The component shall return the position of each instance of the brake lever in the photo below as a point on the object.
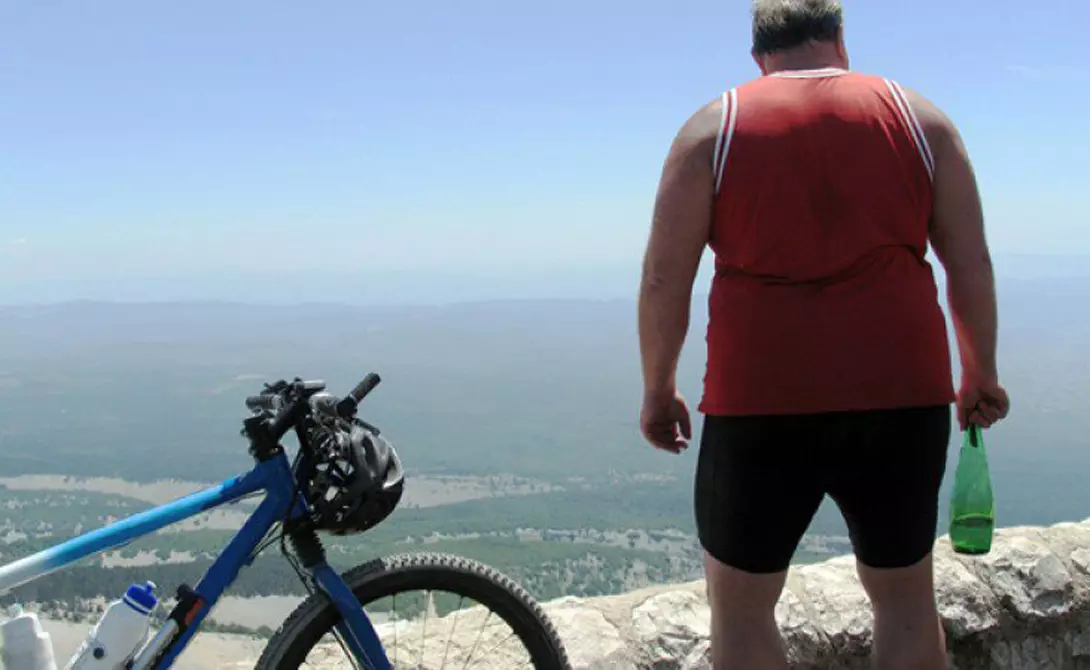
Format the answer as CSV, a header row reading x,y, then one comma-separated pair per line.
x,y
369,427
276,387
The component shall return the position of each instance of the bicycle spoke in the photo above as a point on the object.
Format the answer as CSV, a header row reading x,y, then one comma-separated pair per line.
x,y
450,637
344,647
502,642
424,628
394,619
478,641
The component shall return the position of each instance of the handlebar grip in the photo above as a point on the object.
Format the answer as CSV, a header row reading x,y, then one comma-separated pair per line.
x,y
264,401
366,386
347,406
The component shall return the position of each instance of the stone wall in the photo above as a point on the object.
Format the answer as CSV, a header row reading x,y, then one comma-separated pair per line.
x,y
1025,605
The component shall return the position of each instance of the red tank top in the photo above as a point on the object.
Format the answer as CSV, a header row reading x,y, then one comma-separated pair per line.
x,y
822,299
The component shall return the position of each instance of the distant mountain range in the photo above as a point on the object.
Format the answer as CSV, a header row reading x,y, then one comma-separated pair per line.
x,y
425,286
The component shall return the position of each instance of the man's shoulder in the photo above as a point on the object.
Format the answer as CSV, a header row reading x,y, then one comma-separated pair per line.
x,y
702,127
936,125
707,120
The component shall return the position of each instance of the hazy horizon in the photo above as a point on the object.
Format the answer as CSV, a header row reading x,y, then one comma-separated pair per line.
x,y
434,287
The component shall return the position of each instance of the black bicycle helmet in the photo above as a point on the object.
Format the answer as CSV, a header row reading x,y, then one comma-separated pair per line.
x,y
355,480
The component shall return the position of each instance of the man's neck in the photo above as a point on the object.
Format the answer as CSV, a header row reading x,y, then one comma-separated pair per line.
x,y
804,59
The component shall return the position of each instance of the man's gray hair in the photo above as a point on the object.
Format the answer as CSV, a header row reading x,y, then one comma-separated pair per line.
x,y
784,24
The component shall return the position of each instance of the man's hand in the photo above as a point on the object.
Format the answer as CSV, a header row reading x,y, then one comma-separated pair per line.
x,y
665,421
983,403
957,237
680,228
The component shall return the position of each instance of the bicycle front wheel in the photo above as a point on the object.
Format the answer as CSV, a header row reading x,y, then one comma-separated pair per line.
x,y
464,637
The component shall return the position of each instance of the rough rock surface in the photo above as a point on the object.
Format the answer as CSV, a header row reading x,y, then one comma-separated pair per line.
x,y
1024,606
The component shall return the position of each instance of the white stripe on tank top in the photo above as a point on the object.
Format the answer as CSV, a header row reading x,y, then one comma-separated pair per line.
x,y
729,120
726,133
908,116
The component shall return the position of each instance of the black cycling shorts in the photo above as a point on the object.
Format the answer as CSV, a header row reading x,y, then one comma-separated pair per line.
x,y
761,479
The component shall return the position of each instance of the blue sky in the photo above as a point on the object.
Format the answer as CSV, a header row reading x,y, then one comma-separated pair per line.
x,y
195,149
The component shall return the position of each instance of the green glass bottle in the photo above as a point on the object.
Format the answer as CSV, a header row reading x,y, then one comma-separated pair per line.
x,y
972,503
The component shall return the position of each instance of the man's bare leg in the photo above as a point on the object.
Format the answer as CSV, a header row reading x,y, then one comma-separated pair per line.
x,y
744,634
908,633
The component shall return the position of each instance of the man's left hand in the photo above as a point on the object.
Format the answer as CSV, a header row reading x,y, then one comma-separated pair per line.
x,y
665,421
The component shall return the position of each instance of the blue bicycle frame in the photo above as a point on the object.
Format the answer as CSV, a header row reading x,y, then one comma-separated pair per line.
x,y
273,477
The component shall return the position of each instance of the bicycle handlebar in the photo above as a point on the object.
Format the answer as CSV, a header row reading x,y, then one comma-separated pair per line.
x,y
347,406
289,401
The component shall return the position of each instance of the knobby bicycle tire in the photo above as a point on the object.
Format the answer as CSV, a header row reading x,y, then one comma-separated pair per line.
x,y
315,617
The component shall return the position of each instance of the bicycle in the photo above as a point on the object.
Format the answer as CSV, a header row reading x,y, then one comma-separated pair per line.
x,y
346,478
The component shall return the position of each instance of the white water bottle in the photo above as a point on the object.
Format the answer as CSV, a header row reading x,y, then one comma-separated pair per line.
x,y
25,645
120,633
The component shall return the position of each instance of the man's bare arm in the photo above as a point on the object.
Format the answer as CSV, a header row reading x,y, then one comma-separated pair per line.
x,y
680,228
957,236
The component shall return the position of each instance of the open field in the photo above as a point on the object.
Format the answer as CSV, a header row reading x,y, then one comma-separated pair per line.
x,y
583,539
420,490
